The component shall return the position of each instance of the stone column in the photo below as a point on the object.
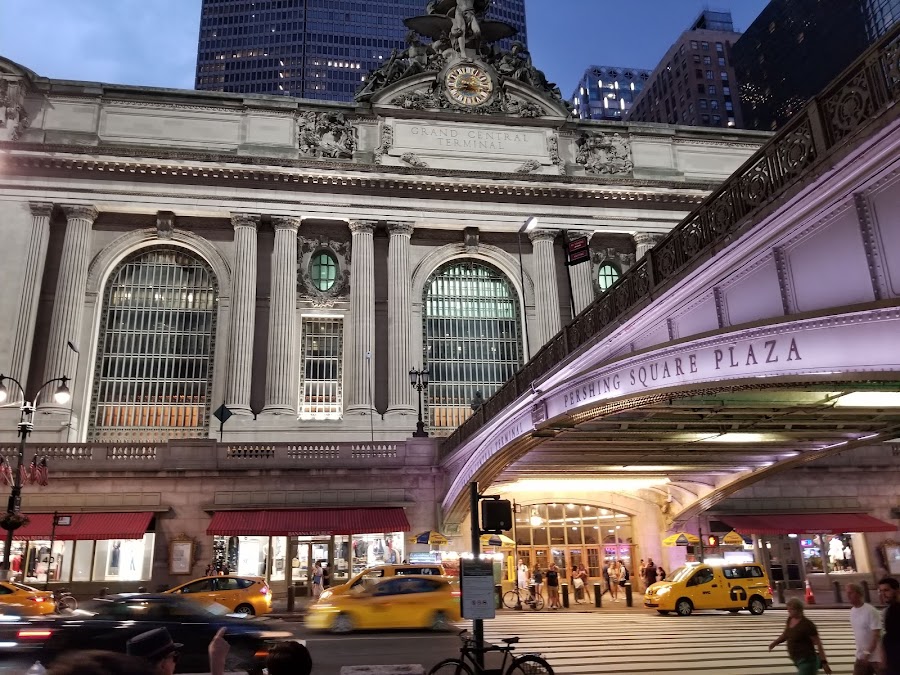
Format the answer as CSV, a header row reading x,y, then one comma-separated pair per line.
x,y
281,390
582,277
243,313
359,355
68,303
643,242
35,257
399,390
546,291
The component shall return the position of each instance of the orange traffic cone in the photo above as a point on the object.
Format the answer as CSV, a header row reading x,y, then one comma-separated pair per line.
x,y
810,596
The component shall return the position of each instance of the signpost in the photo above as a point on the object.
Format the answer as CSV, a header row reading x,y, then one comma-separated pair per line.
x,y
477,582
578,251
223,414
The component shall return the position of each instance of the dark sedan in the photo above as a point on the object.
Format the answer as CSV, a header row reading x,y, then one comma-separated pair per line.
x,y
109,623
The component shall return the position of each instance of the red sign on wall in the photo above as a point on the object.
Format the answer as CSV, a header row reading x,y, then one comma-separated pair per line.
x,y
578,251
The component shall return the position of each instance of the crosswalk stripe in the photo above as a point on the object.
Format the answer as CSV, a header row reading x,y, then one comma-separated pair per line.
x,y
641,643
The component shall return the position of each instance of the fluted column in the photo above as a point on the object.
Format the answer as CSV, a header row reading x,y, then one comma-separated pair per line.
x,y
582,277
546,289
399,390
359,356
35,257
281,392
643,242
68,303
243,313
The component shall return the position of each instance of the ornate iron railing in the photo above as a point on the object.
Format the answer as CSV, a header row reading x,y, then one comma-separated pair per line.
x,y
851,103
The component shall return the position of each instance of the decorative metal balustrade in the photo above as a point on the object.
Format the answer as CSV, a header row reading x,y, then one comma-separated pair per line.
x,y
848,107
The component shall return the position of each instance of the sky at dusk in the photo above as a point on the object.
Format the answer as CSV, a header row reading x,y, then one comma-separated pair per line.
x,y
154,42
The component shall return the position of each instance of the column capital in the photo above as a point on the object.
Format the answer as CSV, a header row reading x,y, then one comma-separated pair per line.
x,y
286,222
245,220
81,211
400,227
40,208
543,235
646,238
361,226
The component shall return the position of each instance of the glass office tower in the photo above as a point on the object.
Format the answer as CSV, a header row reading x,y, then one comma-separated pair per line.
x,y
607,92
314,49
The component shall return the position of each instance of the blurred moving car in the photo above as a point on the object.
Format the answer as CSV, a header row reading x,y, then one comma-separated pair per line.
x,y
393,602
727,586
22,600
370,575
238,594
108,623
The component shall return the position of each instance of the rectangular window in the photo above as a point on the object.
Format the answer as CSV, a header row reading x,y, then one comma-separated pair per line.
x,y
717,121
699,74
696,58
714,104
709,74
720,48
702,103
693,44
700,89
721,60
726,91
320,370
705,46
704,119
728,106
712,90
724,76
707,60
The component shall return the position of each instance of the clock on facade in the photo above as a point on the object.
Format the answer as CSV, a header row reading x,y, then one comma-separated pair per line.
x,y
468,84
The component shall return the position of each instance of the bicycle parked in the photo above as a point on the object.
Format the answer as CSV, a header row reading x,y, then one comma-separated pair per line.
x,y
522,598
65,601
467,664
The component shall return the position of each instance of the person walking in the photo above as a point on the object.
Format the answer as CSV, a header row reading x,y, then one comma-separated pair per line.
x,y
538,578
866,624
803,641
889,589
553,586
606,567
649,573
317,578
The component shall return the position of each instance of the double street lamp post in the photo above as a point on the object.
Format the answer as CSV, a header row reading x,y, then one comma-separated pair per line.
x,y
61,396
419,381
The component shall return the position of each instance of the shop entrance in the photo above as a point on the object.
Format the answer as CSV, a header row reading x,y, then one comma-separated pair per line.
x,y
306,552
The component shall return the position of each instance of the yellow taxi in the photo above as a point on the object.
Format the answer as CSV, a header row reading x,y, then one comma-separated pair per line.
x,y
240,595
393,602
371,574
729,587
23,600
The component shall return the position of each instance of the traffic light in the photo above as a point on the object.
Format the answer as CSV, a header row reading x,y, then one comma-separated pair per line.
x,y
712,541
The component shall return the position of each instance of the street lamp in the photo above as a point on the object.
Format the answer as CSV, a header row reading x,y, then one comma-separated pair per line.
x,y
530,224
61,396
419,381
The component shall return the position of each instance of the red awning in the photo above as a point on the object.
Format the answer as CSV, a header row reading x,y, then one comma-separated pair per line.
x,y
87,526
308,522
807,523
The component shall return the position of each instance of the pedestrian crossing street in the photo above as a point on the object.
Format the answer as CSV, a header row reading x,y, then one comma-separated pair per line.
x,y
641,642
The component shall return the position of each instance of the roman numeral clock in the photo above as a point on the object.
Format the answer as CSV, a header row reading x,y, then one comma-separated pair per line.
x,y
469,84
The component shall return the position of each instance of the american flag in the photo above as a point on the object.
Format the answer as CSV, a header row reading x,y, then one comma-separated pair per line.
x,y
5,471
28,472
42,473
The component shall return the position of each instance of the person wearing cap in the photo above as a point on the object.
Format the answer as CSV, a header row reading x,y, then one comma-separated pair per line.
x,y
156,647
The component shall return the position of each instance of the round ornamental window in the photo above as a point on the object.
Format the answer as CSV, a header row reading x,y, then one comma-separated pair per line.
x,y
607,275
323,270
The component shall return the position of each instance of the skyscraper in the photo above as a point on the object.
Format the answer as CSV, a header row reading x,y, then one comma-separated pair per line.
x,y
607,92
315,49
694,82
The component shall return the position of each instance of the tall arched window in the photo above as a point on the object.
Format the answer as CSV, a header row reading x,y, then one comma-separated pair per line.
x,y
472,338
607,275
153,375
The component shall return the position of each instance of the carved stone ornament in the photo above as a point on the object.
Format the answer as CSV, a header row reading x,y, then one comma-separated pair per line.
x,y
601,153
501,104
413,159
13,118
530,166
165,224
387,142
306,250
553,148
326,134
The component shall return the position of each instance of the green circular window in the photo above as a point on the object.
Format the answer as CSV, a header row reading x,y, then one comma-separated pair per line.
x,y
607,275
323,270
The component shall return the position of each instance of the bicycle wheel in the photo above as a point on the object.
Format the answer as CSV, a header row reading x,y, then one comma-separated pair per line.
x,y
68,602
538,603
510,599
451,667
529,664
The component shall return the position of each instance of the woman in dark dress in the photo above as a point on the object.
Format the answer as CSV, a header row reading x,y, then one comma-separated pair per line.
x,y
803,641
553,586
538,577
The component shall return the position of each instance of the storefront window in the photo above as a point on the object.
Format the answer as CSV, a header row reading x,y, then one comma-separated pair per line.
x,y
376,549
279,556
81,567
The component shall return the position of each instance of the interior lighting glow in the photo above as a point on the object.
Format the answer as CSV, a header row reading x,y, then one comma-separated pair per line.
x,y
870,399
738,437
585,484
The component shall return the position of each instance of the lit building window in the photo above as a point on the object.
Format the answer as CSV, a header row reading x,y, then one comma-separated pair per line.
x,y
156,343
320,396
607,275
472,338
323,270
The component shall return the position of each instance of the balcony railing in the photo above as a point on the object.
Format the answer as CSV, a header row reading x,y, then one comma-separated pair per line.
x,y
848,107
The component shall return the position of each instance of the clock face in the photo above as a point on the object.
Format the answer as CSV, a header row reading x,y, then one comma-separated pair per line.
x,y
469,85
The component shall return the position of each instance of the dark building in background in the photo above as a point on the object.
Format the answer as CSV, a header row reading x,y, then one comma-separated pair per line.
x,y
796,47
607,92
694,84
315,49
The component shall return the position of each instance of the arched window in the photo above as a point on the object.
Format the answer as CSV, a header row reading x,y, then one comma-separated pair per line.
x,y
607,275
323,270
153,374
472,338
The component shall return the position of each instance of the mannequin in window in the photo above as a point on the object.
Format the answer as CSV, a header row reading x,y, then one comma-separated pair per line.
x,y
836,552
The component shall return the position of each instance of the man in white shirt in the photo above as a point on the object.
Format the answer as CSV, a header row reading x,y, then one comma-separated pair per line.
x,y
866,623
522,573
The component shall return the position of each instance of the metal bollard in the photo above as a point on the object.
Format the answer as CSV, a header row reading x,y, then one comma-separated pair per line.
x,y
629,599
779,590
866,595
598,595
104,591
565,595
142,589
837,593
292,598
498,596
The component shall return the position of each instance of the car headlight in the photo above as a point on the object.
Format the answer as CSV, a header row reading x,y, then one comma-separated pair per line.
x,y
663,590
325,595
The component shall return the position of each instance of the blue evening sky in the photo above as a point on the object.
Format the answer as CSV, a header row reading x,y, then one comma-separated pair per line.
x,y
154,42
